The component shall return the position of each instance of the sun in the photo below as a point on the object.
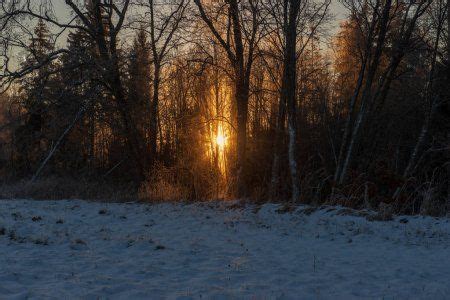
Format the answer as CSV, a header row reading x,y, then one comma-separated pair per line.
x,y
221,140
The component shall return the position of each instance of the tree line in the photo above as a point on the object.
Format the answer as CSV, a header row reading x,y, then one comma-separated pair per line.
x,y
236,98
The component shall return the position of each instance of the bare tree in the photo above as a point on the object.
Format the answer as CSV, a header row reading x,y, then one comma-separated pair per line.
x,y
378,28
239,41
162,20
291,19
103,21
432,98
288,89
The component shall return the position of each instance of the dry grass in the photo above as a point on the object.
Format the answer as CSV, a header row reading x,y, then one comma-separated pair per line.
x,y
181,183
160,190
177,183
185,183
56,188
425,195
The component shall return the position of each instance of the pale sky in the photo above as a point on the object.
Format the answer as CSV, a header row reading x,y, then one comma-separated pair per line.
x,y
62,10
336,9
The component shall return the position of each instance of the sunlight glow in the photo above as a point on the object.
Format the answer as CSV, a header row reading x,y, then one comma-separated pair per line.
x,y
221,140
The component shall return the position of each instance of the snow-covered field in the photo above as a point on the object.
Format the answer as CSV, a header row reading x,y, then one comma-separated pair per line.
x,y
77,249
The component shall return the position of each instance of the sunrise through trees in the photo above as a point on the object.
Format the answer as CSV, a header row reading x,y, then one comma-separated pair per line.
x,y
295,102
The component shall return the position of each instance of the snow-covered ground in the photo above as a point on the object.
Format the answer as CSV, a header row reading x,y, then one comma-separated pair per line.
x,y
77,249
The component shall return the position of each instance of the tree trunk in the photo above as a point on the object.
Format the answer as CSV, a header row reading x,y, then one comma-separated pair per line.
x,y
433,102
242,95
132,138
352,105
288,93
242,82
367,92
110,61
278,148
421,140
242,71
348,123
154,110
448,102
58,143
386,79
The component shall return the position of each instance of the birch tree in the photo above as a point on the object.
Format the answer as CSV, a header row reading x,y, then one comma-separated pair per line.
x,y
368,92
291,20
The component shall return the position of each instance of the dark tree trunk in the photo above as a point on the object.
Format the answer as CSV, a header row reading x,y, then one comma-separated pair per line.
x,y
132,135
242,95
288,92
278,148
154,111
448,102
110,62
367,91
242,82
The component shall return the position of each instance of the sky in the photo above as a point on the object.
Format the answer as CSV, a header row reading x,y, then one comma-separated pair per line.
x,y
62,11
336,9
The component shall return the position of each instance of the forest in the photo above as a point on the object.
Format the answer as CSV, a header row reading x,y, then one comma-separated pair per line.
x,y
295,101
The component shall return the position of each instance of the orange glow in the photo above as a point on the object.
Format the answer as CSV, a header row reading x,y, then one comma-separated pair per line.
x,y
221,140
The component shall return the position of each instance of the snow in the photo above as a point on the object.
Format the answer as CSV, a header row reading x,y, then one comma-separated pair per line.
x,y
77,249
